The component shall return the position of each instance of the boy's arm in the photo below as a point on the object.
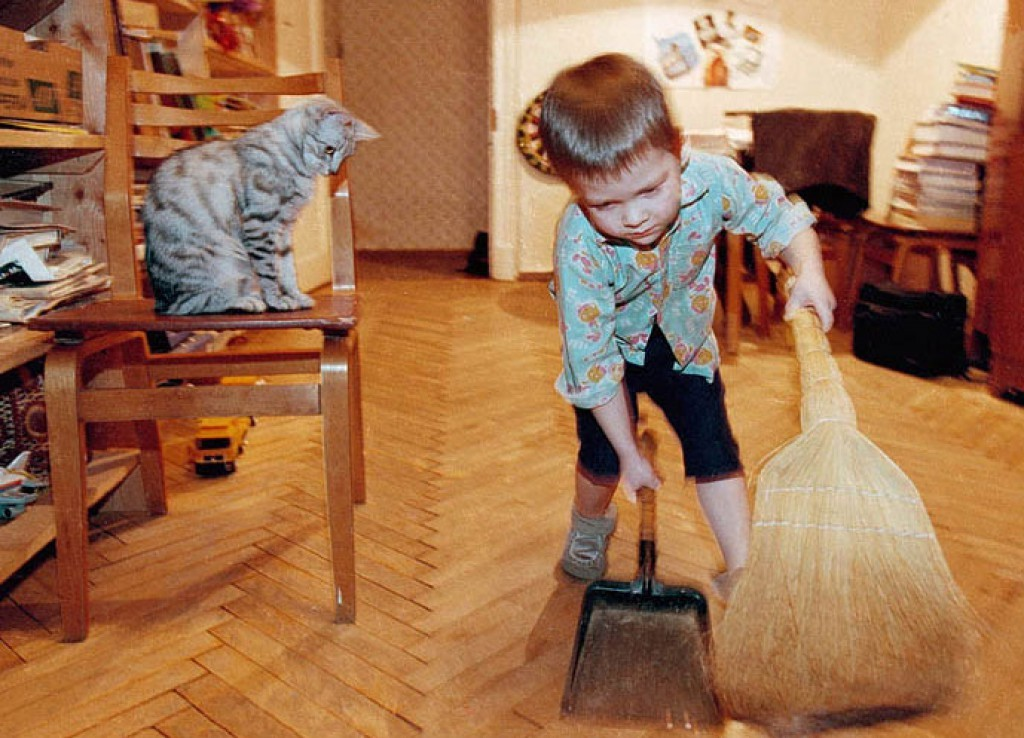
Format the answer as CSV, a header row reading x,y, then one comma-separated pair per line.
x,y
635,470
810,289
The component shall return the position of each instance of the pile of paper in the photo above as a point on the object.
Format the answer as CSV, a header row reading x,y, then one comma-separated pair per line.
x,y
38,275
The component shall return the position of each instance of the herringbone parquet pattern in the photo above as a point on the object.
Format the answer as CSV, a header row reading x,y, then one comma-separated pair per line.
x,y
215,620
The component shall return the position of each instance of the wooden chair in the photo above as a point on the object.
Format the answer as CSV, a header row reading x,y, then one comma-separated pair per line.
x,y
322,374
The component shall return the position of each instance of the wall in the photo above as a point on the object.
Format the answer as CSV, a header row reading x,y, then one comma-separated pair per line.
x,y
888,57
300,48
417,71
919,47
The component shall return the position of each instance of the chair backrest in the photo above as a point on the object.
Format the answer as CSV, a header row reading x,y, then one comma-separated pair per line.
x,y
822,155
143,108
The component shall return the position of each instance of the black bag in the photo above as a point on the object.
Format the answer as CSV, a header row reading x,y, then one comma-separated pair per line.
x,y
920,333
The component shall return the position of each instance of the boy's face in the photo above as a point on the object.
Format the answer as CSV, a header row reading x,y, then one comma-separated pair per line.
x,y
637,206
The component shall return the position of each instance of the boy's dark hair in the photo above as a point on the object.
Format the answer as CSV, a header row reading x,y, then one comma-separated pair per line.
x,y
599,117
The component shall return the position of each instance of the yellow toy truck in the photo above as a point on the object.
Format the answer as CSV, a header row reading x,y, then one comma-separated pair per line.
x,y
217,445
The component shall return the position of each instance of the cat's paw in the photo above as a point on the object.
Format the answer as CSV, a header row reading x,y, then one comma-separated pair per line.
x,y
297,301
248,304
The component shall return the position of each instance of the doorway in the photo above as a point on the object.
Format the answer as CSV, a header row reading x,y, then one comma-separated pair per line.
x,y
417,72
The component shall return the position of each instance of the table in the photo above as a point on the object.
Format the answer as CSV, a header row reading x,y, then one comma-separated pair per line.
x,y
905,239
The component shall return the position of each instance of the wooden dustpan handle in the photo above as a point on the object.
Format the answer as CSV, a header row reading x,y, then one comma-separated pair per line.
x,y
647,499
645,495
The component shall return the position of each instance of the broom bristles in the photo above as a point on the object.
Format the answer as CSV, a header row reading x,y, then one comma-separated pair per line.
x,y
847,605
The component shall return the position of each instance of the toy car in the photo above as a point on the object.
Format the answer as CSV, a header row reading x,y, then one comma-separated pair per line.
x,y
18,488
217,445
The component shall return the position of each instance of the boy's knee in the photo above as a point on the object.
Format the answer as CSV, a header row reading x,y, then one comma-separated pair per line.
x,y
602,478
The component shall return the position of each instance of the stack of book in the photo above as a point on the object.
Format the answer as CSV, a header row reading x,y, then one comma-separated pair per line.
x,y
938,180
40,270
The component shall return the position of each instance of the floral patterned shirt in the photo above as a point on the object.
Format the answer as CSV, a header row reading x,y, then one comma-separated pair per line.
x,y
611,294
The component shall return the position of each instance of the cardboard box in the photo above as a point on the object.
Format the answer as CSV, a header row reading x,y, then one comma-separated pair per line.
x,y
39,81
23,14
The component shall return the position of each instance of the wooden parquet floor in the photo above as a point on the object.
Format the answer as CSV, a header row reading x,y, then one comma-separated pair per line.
x,y
215,620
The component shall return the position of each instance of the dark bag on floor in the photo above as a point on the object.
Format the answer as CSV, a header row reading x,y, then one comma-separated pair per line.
x,y
919,333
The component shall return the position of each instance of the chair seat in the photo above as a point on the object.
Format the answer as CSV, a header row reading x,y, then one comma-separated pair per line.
x,y
332,313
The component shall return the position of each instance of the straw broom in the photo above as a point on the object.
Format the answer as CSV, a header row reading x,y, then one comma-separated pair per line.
x,y
847,611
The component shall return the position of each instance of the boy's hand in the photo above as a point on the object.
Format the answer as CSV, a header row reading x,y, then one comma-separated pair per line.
x,y
637,472
811,289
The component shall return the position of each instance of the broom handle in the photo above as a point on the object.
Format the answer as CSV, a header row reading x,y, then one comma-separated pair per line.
x,y
824,399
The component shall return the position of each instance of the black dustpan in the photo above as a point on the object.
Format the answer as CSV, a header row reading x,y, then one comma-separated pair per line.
x,y
641,648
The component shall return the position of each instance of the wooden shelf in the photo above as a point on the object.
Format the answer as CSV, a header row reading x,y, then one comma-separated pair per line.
x,y
18,346
177,7
26,151
26,535
229,64
48,140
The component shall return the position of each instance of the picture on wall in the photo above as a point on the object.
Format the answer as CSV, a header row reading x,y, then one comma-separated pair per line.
x,y
733,45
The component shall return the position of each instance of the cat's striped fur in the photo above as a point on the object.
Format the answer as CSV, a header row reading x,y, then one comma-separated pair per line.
x,y
218,217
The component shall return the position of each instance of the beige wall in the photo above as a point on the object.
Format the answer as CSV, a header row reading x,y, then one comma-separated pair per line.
x,y
888,57
918,52
300,48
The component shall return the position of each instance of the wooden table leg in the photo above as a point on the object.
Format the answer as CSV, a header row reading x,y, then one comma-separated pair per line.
x,y
944,267
733,292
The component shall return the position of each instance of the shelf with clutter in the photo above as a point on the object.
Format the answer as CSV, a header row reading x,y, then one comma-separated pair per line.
x,y
52,123
204,39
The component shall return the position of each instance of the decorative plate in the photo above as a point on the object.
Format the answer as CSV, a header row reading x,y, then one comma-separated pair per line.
x,y
528,137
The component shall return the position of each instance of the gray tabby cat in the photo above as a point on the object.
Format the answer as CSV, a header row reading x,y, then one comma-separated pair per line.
x,y
218,217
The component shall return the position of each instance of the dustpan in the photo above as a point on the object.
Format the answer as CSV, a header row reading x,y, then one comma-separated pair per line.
x,y
641,650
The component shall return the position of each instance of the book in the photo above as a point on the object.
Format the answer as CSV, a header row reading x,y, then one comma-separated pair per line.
x,y
938,166
933,223
946,196
939,182
976,73
949,150
975,93
951,133
961,114
37,235
916,200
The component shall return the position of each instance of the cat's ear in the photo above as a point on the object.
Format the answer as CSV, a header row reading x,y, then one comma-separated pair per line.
x,y
362,131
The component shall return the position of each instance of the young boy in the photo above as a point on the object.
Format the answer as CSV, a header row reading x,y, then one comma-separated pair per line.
x,y
634,283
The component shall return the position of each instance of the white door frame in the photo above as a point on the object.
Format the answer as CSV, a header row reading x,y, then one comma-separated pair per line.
x,y
505,187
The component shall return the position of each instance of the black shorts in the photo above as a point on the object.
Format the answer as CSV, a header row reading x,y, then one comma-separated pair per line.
x,y
694,407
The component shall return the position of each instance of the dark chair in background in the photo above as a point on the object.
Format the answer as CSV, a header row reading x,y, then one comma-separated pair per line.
x,y
823,157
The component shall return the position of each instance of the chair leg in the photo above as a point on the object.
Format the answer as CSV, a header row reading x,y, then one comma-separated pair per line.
x,y
66,433
337,414
355,408
147,432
